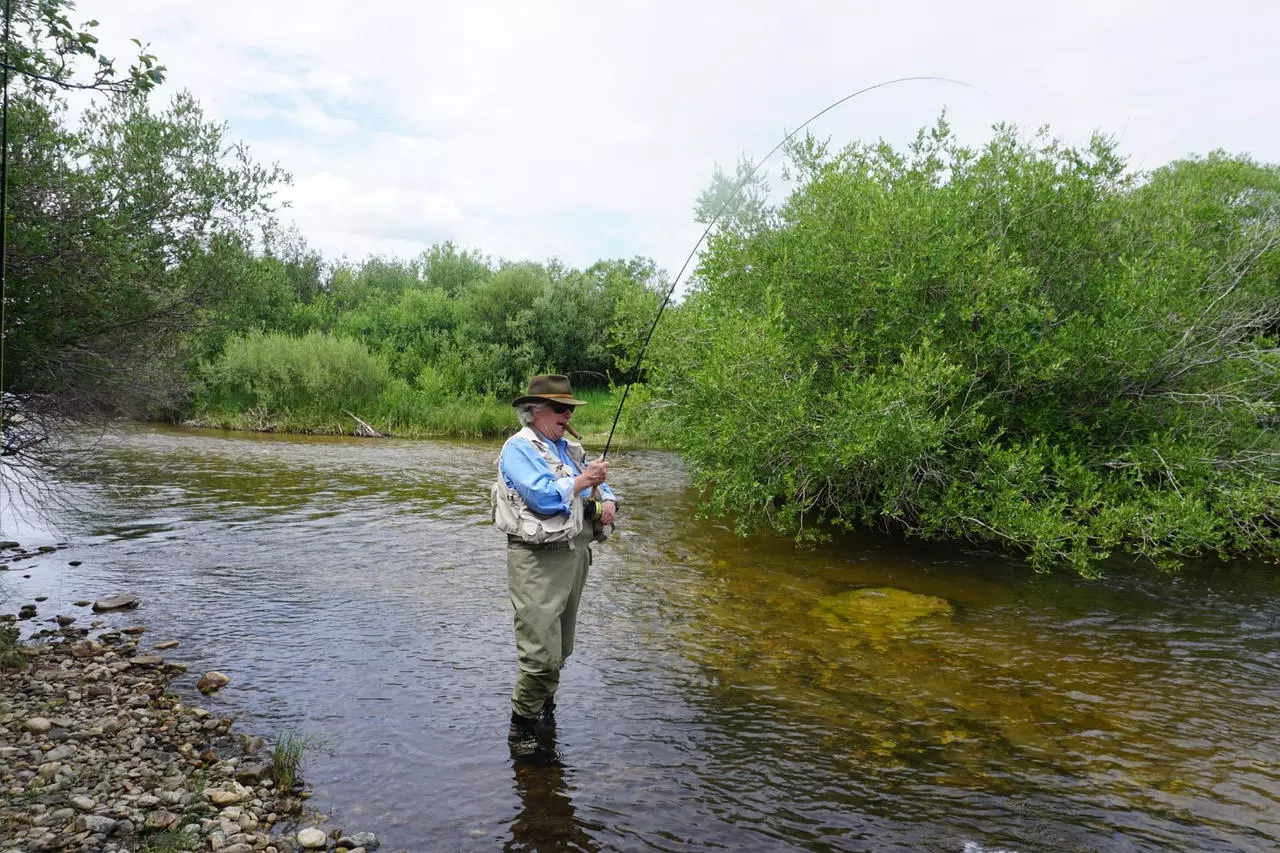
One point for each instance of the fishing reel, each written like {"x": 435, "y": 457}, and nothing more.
{"x": 591, "y": 509}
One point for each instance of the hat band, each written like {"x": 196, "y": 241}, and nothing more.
{"x": 554, "y": 396}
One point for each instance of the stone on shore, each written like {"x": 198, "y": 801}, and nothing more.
{"x": 38, "y": 725}
{"x": 98, "y": 756}
{"x": 312, "y": 839}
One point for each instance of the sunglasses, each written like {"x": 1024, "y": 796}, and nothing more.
{"x": 560, "y": 408}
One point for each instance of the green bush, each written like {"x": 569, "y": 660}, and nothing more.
{"x": 317, "y": 376}
{"x": 1024, "y": 346}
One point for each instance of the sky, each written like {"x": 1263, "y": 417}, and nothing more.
{"x": 585, "y": 130}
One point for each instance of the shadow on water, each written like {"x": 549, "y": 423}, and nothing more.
{"x": 727, "y": 694}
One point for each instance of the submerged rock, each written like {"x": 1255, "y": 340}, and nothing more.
{"x": 881, "y": 613}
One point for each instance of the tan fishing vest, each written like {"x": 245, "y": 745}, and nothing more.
{"x": 513, "y": 516}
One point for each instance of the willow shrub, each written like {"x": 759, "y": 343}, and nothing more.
{"x": 313, "y": 379}
{"x": 1024, "y": 346}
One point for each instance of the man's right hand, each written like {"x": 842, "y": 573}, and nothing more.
{"x": 594, "y": 475}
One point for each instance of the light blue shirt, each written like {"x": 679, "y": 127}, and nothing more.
{"x": 525, "y": 470}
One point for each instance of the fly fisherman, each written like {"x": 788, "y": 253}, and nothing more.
{"x": 553, "y": 505}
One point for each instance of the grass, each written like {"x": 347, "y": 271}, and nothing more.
{"x": 286, "y": 759}
{"x": 172, "y": 841}
{"x": 11, "y": 656}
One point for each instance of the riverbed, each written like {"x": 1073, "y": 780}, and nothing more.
{"x": 719, "y": 697}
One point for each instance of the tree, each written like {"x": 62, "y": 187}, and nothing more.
{"x": 113, "y": 227}
{"x": 1027, "y": 347}
{"x": 43, "y": 50}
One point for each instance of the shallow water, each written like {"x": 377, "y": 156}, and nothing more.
{"x": 354, "y": 593}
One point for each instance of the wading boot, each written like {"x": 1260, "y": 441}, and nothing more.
{"x": 547, "y": 716}
{"x": 521, "y": 736}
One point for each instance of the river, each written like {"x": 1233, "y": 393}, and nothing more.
{"x": 355, "y": 593}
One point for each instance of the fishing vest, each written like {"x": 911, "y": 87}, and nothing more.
{"x": 513, "y": 516}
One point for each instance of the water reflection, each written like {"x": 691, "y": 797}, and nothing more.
{"x": 547, "y": 821}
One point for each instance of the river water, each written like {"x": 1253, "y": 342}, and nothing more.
{"x": 718, "y": 700}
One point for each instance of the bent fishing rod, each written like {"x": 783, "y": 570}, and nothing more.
{"x": 635, "y": 370}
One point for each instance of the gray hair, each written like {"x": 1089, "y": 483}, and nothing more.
{"x": 526, "y": 411}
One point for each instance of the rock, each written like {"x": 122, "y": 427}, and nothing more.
{"x": 60, "y": 753}
{"x": 134, "y": 629}
{"x": 212, "y": 682}
{"x": 146, "y": 660}
{"x": 38, "y": 725}
{"x": 367, "y": 840}
{"x": 160, "y": 819}
{"x": 94, "y": 824}
{"x": 81, "y": 603}
{"x": 253, "y": 772}
{"x": 42, "y": 598}
{"x": 87, "y": 649}
{"x": 881, "y": 614}
{"x": 64, "y": 621}
{"x": 74, "y": 563}
{"x": 46, "y": 549}
{"x": 124, "y": 601}
{"x": 312, "y": 839}
{"x": 7, "y": 544}
{"x": 252, "y": 744}
{"x": 166, "y": 645}
{"x": 83, "y": 803}
{"x": 233, "y": 793}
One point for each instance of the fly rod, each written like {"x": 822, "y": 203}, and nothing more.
{"x": 635, "y": 370}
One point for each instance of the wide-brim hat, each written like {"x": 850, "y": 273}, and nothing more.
{"x": 549, "y": 388}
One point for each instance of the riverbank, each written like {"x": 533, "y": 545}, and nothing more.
{"x": 475, "y": 417}
{"x": 96, "y": 753}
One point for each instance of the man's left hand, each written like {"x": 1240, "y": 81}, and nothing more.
{"x": 608, "y": 512}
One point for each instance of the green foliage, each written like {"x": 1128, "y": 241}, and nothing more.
{"x": 287, "y": 754}
{"x": 1023, "y": 346}
{"x": 45, "y": 49}
{"x": 171, "y": 841}
{"x": 11, "y": 656}
{"x": 123, "y": 235}
{"x": 317, "y": 376}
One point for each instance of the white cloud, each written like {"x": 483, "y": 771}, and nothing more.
{"x": 535, "y": 129}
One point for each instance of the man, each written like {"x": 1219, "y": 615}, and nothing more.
{"x": 552, "y": 504}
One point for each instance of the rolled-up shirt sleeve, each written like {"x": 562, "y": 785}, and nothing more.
{"x": 527, "y": 472}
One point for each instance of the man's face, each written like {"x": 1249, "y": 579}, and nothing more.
{"x": 550, "y": 419}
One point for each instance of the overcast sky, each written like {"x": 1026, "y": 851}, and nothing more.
{"x": 585, "y": 130}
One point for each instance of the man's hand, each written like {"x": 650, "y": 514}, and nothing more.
{"x": 609, "y": 512}
{"x": 593, "y": 476}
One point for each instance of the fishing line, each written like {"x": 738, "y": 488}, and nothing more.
{"x": 635, "y": 370}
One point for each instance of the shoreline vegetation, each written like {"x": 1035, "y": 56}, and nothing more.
{"x": 97, "y": 753}
{"x": 475, "y": 417}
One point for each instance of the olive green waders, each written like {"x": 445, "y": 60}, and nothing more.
{"x": 545, "y": 583}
